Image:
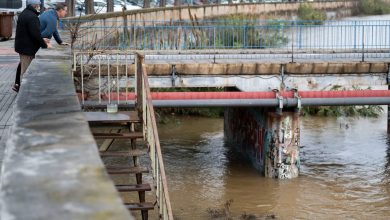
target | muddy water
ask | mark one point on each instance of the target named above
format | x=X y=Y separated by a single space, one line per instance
x=345 y=172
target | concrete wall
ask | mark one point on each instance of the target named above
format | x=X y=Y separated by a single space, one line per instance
x=258 y=76
x=255 y=67
x=108 y=23
x=52 y=168
x=210 y=11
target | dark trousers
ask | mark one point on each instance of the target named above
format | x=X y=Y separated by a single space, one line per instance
x=18 y=71
x=24 y=63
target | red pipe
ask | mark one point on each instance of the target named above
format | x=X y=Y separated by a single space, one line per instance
x=254 y=95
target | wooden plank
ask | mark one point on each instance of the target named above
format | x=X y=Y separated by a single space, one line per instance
x=107 y=142
x=132 y=135
x=127 y=153
x=140 y=206
x=126 y=170
x=133 y=187
x=104 y=117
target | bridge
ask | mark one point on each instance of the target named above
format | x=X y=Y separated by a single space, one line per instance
x=267 y=78
x=268 y=69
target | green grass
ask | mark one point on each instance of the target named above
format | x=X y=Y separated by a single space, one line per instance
x=348 y=111
x=245 y=31
x=310 y=16
x=374 y=7
x=165 y=115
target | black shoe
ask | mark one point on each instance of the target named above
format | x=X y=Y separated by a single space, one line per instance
x=15 y=87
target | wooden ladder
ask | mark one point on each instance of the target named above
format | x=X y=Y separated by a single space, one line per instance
x=127 y=131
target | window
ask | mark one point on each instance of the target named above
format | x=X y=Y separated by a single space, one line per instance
x=11 y=4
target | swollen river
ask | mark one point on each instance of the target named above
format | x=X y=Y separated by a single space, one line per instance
x=345 y=172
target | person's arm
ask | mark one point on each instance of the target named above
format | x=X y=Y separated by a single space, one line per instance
x=34 y=31
x=57 y=37
x=45 y=33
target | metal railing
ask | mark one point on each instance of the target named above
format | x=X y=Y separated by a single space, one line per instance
x=110 y=75
x=100 y=74
x=144 y=105
x=284 y=35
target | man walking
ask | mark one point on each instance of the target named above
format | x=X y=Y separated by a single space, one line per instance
x=28 y=38
x=49 y=22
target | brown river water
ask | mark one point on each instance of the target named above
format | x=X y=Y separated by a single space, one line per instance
x=345 y=172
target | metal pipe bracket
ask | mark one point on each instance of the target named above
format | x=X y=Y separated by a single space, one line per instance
x=296 y=96
x=279 y=98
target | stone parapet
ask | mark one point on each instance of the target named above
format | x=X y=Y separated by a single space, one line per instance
x=211 y=11
x=52 y=168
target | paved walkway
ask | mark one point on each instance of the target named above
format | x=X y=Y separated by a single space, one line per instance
x=8 y=64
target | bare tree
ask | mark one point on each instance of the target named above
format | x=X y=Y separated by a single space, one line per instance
x=177 y=3
x=162 y=3
x=146 y=3
x=71 y=6
x=89 y=9
x=110 y=5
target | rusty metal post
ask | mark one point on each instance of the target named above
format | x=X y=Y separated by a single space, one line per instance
x=139 y=77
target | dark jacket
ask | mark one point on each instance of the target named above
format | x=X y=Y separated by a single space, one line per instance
x=28 y=38
x=49 y=25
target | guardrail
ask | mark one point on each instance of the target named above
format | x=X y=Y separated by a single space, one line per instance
x=112 y=71
x=115 y=75
x=144 y=105
x=293 y=36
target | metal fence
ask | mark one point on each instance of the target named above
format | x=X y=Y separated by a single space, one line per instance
x=235 y=34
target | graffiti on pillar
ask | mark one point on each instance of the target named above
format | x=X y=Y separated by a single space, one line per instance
x=270 y=140
x=245 y=129
x=283 y=152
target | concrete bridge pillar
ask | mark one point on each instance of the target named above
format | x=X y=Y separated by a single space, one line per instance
x=269 y=139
